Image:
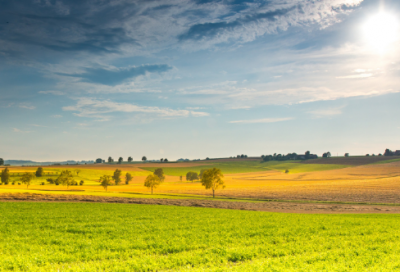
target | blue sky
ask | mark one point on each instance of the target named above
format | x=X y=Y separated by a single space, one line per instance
x=194 y=79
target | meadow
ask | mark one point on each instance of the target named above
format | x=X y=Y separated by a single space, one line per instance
x=122 y=237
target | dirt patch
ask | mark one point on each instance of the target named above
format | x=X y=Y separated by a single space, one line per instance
x=285 y=207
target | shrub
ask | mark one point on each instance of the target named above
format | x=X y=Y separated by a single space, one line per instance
x=81 y=182
x=50 y=180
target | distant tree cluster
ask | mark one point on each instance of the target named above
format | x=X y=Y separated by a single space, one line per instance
x=241 y=156
x=389 y=152
x=163 y=160
x=290 y=156
x=326 y=155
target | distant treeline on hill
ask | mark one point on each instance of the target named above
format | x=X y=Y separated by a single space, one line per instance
x=289 y=156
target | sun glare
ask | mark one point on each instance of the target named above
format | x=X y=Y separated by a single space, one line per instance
x=381 y=31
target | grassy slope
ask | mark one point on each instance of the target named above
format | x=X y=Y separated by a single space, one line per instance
x=115 y=237
x=249 y=166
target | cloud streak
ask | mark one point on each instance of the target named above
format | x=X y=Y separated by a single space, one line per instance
x=93 y=108
x=264 y=120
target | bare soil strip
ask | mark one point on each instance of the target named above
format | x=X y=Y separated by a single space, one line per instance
x=284 y=207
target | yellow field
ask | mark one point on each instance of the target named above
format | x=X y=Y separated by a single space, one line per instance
x=374 y=183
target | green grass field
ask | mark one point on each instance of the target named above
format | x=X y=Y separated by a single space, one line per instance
x=250 y=166
x=121 y=237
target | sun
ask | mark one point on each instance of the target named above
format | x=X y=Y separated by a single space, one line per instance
x=381 y=31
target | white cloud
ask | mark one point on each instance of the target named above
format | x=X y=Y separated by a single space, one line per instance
x=88 y=107
x=265 y=120
x=365 y=75
x=27 y=106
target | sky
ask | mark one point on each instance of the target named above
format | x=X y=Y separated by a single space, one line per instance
x=81 y=80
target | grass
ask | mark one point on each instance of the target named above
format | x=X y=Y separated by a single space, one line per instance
x=120 y=237
x=249 y=166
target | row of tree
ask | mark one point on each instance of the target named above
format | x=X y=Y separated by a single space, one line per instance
x=130 y=159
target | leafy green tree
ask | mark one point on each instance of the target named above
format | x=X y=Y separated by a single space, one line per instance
x=5 y=176
x=212 y=179
x=201 y=173
x=128 y=178
x=144 y=158
x=66 y=178
x=26 y=178
x=81 y=182
x=152 y=181
x=1 y=161
x=159 y=172
x=110 y=160
x=165 y=160
x=130 y=159
x=192 y=176
x=117 y=176
x=39 y=172
x=120 y=160
x=99 y=160
x=105 y=181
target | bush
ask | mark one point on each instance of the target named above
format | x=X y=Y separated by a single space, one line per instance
x=50 y=180
x=81 y=182
x=19 y=183
x=42 y=183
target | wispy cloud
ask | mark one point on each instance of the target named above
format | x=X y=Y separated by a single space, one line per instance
x=264 y=120
x=326 y=112
x=117 y=75
x=21 y=131
x=365 y=75
x=27 y=106
x=88 y=107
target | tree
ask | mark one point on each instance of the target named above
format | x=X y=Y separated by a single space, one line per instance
x=180 y=178
x=110 y=160
x=77 y=172
x=39 y=172
x=212 y=179
x=105 y=181
x=161 y=160
x=128 y=178
x=144 y=158
x=192 y=176
x=346 y=154
x=117 y=176
x=159 y=172
x=287 y=171
x=165 y=160
x=201 y=173
x=152 y=181
x=26 y=178
x=1 y=161
x=5 y=176
x=99 y=160
x=81 y=182
x=120 y=160
x=130 y=159
x=66 y=178
x=388 y=152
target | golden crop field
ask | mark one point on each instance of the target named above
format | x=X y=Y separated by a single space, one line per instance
x=371 y=183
